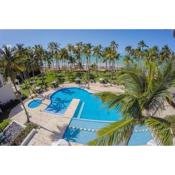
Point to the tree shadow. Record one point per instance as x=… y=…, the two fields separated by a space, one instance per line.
x=17 y=109
x=64 y=132
x=58 y=105
x=67 y=91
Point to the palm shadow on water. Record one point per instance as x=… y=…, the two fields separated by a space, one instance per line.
x=67 y=91
x=71 y=134
x=58 y=105
x=66 y=133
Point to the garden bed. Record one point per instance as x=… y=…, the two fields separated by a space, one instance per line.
x=19 y=139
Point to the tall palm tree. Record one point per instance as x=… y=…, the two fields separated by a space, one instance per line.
x=127 y=60
x=110 y=56
x=129 y=50
x=129 y=55
x=87 y=50
x=40 y=56
x=78 y=51
x=146 y=92
x=53 y=49
x=151 y=54
x=71 y=57
x=114 y=46
x=63 y=54
x=97 y=53
x=32 y=61
x=142 y=45
x=165 y=53
x=11 y=64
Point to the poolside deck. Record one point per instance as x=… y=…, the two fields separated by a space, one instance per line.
x=52 y=126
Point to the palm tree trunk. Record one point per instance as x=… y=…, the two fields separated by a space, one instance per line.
x=88 y=71
x=27 y=115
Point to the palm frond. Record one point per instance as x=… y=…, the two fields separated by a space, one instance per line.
x=110 y=98
x=171 y=120
x=161 y=130
x=134 y=79
x=115 y=133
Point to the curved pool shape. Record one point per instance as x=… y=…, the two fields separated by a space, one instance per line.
x=35 y=103
x=90 y=107
x=90 y=115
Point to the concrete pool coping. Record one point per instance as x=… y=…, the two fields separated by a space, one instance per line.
x=55 y=125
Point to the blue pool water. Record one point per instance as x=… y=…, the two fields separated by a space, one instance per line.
x=35 y=103
x=83 y=131
x=91 y=106
x=90 y=115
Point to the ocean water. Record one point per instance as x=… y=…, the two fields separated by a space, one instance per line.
x=118 y=62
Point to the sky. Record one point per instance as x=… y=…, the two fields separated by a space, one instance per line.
x=103 y=37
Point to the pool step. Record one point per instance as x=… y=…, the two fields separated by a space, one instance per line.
x=83 y=129
x=140 y=130
x=81 y=109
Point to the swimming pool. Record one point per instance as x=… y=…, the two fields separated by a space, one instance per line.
x=90 y=115
x=35 y=103
x=91 y=107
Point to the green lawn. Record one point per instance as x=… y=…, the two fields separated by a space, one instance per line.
x=65 y=76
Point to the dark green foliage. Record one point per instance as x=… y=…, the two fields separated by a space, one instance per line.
x=3 y=124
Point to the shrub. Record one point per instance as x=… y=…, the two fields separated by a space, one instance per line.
x=19 y=139
x=3 y=124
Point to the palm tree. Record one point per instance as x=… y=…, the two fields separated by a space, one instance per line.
x=11 y=64
x=63 y=54
x=127 y=60
x=110 y=55
x=114 y=47
x=53 y=49
x=146 y=92
x=151 y=54
x=129 y=51
x=142 y=45
x=78 y=51
x=140 y=51
x=22 y=53
x=97 y=53
x=129 y=55
x=165 y=53
x=40 y=55
x=87 y=52
x=71 y=58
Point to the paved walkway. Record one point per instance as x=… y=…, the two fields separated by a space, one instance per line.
x=52 y=126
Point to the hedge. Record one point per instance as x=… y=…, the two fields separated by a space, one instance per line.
x=3 y=124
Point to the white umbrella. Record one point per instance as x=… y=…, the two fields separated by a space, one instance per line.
x=77 y=79
x=37 y=88
x=53 y=82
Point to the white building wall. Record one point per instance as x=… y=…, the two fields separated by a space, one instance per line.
x=6 y=92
